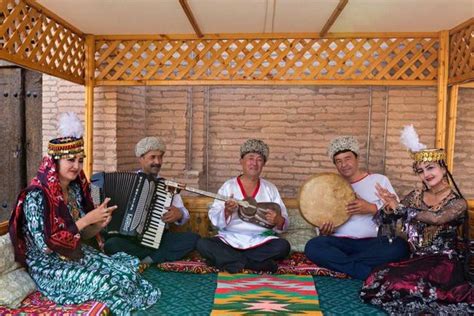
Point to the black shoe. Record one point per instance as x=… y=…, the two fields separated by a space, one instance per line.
x=265 y=266
x=232 y=268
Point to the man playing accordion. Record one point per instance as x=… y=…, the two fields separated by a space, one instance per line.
x=173 y=245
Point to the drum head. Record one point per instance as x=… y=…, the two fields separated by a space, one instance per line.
x=323 y=198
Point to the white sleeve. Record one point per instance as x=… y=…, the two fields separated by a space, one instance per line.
x=178 y=203
x=284 y=213
x=216 y=212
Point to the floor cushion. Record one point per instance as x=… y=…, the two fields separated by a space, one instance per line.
x=38 y=304
x=297 y=263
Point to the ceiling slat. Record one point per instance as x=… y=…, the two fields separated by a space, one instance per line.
x=190 y=15
x=332 y=19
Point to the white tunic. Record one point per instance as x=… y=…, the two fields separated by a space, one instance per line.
x=237 y=233
x=362 y=225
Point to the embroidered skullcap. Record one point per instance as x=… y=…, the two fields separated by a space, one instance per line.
x=343 y=143
x=418 y=151
x=70 y=142
x=149 y=143
x=255 y=146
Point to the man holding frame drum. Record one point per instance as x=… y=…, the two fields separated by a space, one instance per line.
x=354 y=247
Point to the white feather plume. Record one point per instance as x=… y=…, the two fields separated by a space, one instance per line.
x=70 y=125
x=410 y=139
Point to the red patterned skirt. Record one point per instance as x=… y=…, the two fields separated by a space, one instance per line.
x=432 y=284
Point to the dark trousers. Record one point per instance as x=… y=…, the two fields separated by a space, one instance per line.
x=233 y=260
x=173 y=246
x=356 y=257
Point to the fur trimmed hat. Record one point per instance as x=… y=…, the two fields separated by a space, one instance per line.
x=149 y=143
x=255 y=146
x=343 y=143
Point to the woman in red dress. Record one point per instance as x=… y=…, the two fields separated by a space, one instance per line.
x=435 y=279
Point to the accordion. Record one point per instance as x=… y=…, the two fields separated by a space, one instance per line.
x=141 y=200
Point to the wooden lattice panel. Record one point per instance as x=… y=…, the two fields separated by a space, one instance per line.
x=267 y=60
x=461 y=59
x=34 y=39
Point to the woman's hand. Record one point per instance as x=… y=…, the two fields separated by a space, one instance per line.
x=105 y=222
x=101 y=215
x=389 y=199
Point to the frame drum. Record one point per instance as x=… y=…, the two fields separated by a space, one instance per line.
x=323 y=198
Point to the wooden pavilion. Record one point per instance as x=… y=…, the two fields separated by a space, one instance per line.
x=190 y=42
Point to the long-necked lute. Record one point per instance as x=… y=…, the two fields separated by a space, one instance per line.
x=249 y=210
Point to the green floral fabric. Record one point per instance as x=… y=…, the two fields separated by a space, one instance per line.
x=112 y=280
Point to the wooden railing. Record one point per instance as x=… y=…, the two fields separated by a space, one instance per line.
x=36 y=38
x=461 y=53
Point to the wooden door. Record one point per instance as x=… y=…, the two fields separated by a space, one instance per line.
x=20 y=132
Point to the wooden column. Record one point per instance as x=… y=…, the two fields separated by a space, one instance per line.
x=89 y=110
x=443 y=60
x=451 y=124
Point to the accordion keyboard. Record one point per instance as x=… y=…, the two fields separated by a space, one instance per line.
x=155 y=226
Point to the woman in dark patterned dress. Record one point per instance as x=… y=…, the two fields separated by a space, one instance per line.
x=435 y=279
x=52 y=218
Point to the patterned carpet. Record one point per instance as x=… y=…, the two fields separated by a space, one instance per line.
x=253 y=294
x=193 y=294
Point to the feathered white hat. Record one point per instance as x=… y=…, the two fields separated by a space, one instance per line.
x=70 y=142
x=418 y=151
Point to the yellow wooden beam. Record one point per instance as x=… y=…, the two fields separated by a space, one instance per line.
x=189 y=13
x=308 y=35
x=3 y=228
x=89 y=106
x=470 y=203
x=183 y=82
x=332 y=19
x=29 y=64
x=451 y=123
x=465 y=78
x=53 y=16
x=461 y=26
x=443 y=59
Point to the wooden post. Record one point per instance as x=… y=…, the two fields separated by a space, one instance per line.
x=451 y=132
x=89 y=110
x=443 y=59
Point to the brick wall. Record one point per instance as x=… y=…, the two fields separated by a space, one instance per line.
x=204 y=127
x=298 y=123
